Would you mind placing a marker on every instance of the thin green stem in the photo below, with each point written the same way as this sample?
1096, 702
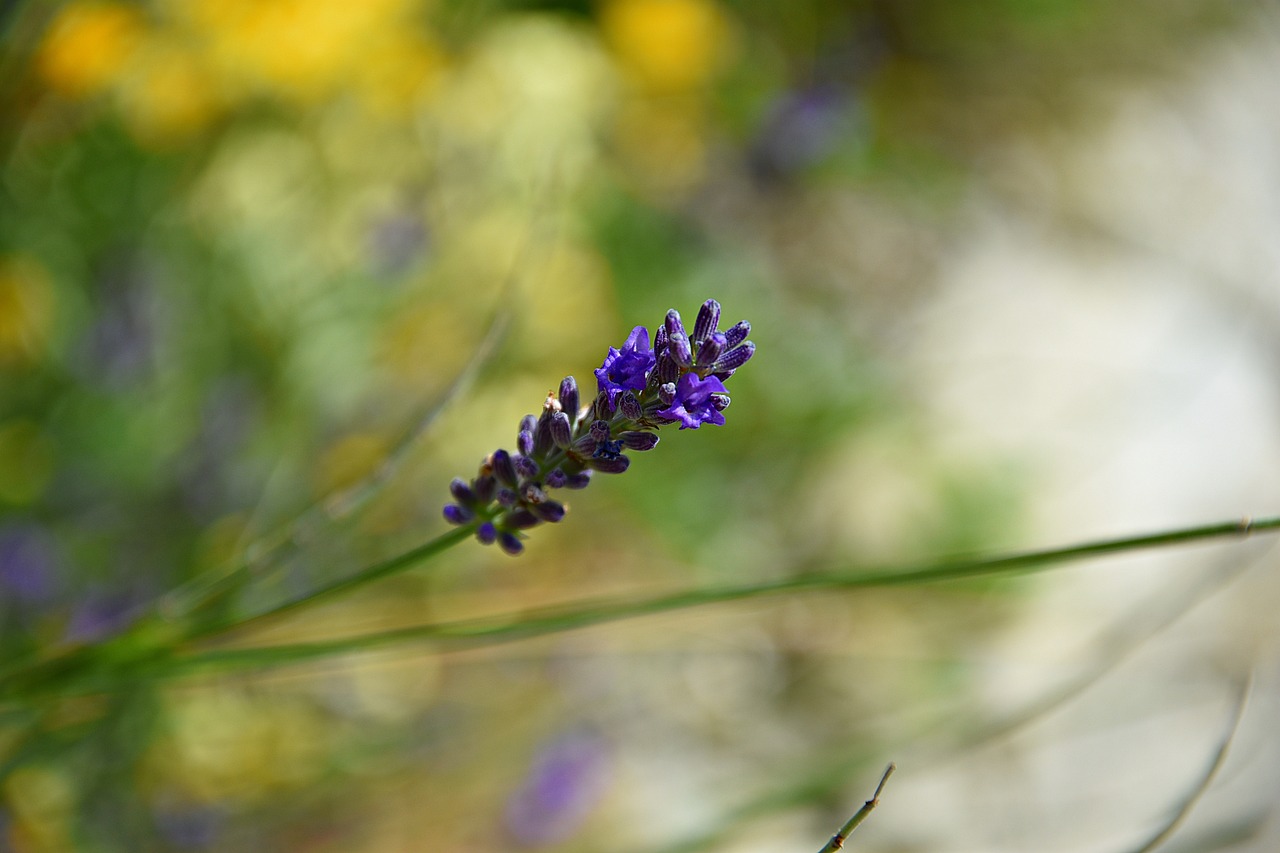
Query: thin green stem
392, 565
505, 628
837, 841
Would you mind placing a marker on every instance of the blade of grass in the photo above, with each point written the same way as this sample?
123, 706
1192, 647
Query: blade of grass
505, 628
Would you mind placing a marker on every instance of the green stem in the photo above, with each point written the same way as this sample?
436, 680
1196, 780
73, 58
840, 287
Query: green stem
376, 572
500, 629
150, 643
837, 840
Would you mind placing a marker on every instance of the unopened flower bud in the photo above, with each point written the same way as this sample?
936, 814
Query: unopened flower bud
735, 358
542, 435
455, 514
510, 543
736, 334
639, 440
569, 398
503, 468
708, 319
666, 370
556, 479
528, 423
561, 430
680, 351
614, 465
551, 511
630, 406
711, 349
462, 493
484, 487
520, 519
486, 533
667, 392
672, 323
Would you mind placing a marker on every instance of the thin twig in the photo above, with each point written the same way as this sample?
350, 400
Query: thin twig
837, 841
1219, 757
1130, 633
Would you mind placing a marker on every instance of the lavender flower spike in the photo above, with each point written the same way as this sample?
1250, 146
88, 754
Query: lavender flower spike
641, 388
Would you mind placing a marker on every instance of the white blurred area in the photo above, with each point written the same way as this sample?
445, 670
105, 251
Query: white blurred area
1112, 316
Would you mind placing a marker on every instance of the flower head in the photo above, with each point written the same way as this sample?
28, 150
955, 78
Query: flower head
679, 379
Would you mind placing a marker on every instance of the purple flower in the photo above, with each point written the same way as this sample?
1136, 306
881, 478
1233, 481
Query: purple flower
563, 786
692, 405
641, 388
626, 369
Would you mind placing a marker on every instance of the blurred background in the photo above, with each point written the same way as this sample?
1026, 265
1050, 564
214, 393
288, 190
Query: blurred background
1013, 269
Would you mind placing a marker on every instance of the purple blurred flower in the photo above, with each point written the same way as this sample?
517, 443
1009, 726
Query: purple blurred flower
801, 128
693, 405
190, 827
396, 241
120, 345
565, 783
101, 614
626, 369
28, 563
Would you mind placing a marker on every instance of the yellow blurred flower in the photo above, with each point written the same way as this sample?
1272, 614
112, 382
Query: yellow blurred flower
666, 45
298, 49
401, 67
663, 144
87, 46
26, 310
225, 745
41, 800
170, 94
